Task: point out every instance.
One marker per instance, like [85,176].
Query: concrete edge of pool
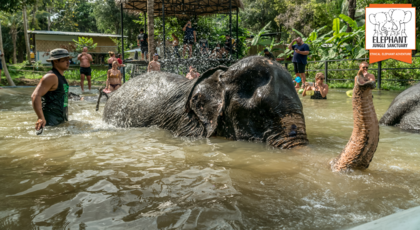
[408,220]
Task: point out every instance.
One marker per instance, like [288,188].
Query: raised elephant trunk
[363,142]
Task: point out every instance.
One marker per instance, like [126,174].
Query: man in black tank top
[50,97]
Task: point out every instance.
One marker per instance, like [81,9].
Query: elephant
[404,110]
[364,139]
[252,100]
[379,20]
[389,28]
[399,18]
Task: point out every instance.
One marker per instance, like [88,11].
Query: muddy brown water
[88,175]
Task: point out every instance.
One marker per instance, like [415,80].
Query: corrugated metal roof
[73,33]
[184,8]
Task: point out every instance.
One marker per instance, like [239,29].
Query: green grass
[21,70]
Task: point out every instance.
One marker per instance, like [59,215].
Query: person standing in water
[85,69]
[300,56]
[142,42]
[50,97]
[320,90]
[189,38]
[111,60]
[113,81]
[154,65]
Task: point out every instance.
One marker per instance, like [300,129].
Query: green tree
[14,22]
[258,13]
[84,42]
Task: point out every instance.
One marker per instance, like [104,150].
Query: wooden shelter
[182,8]
[45,41]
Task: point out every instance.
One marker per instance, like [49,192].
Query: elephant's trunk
[363,142]
[291,134]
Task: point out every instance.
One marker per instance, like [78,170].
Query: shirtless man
[154,65]
[85,69]
[364,66]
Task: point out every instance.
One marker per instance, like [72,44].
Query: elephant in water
[253,100]
[404,110]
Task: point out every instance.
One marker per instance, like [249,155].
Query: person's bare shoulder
[49,76]
[48,80]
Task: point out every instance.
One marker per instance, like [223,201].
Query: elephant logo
[391,23]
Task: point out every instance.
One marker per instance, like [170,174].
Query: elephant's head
[254,100]
[388,27]
[379,19]
[399,17]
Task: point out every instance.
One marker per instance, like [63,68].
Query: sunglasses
[365,67]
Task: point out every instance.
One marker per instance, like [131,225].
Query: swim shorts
[86,71]
[299,67]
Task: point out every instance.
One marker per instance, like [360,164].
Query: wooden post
[122,42]
[230,24]
[164,34]
[326,71]
[151,28]
[145,25]
[237,32]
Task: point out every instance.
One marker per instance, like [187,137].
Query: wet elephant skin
[364,139]
[404,110]
[253,100]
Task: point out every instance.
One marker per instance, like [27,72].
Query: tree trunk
[34,14]
[14,38]
[151,28]
[352,12]
[3,62]
[25,27]
[49,19]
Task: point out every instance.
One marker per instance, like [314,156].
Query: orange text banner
[380,55]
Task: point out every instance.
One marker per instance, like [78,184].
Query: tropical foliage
[84,42]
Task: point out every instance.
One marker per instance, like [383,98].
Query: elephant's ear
[206,98]
[372,19]
[203,77]
[407,17]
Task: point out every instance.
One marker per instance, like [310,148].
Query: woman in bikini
[111,60]
[113,81]
[319,89]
